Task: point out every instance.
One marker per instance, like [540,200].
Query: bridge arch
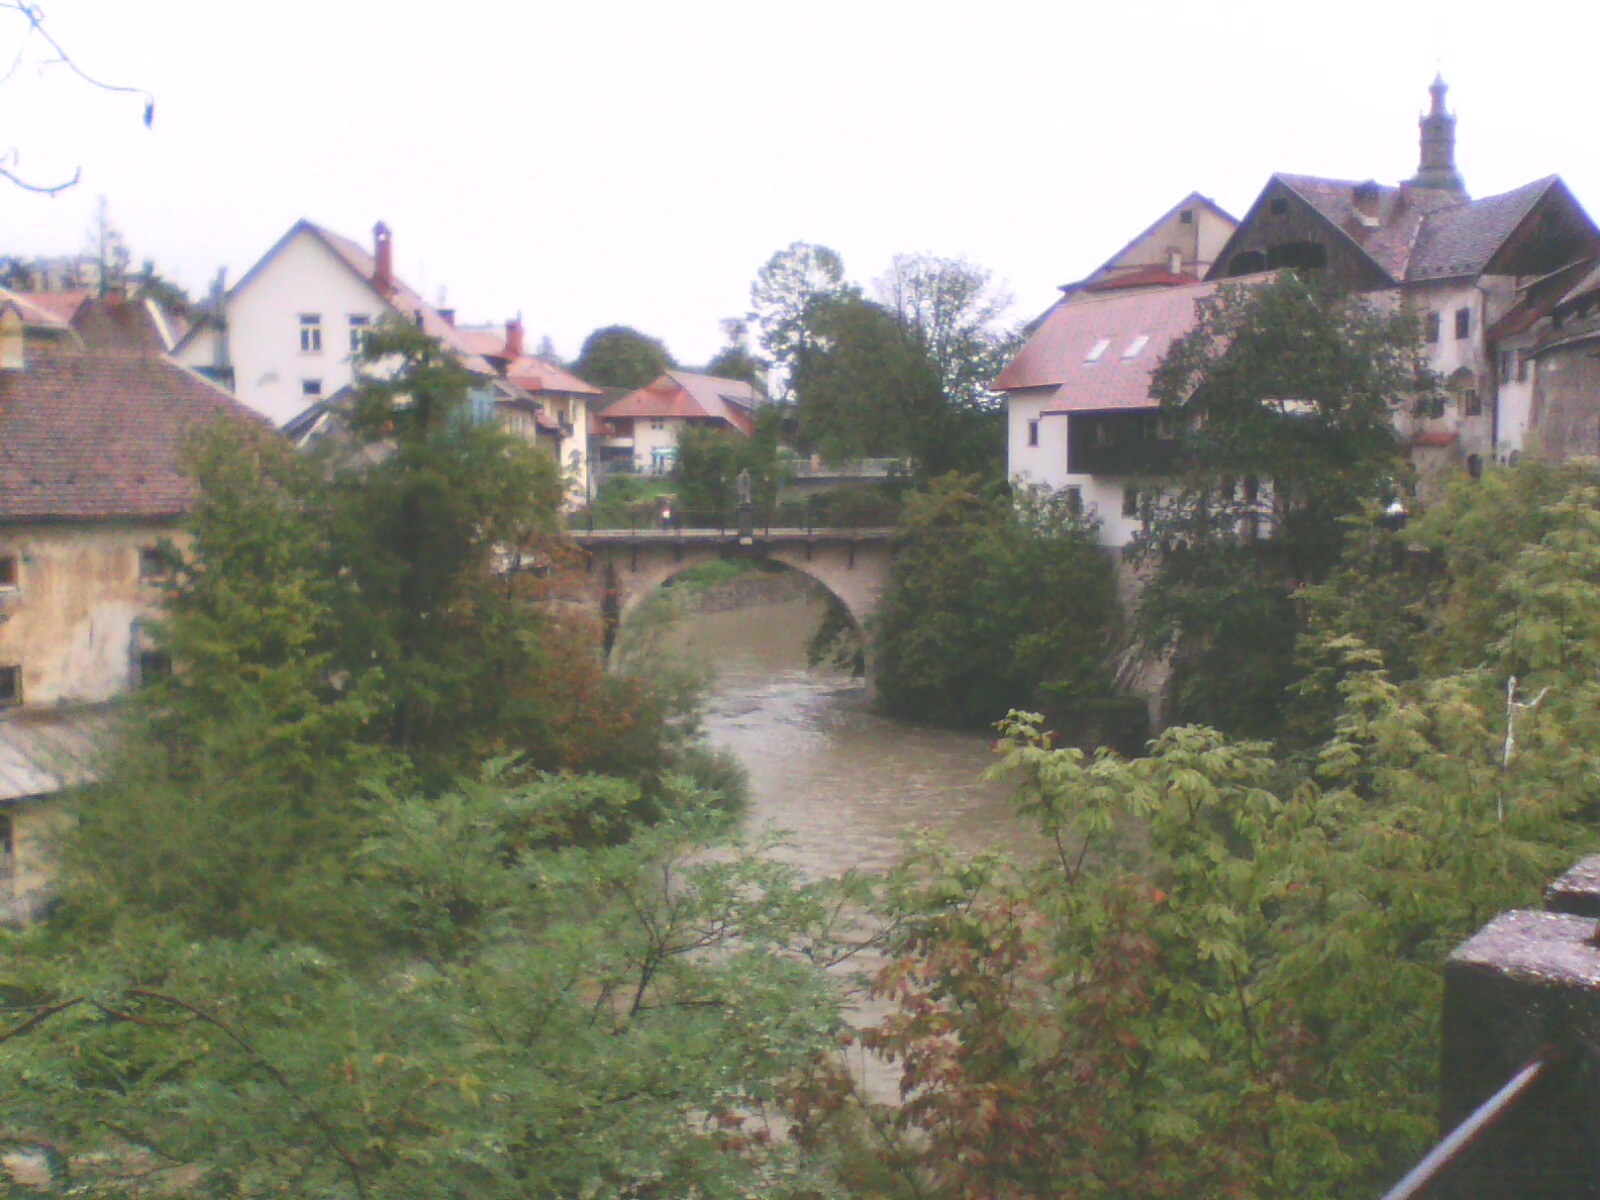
[624,566]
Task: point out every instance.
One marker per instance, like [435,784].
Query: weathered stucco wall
[71,622]
[1566,404]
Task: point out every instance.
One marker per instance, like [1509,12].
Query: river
[845,783]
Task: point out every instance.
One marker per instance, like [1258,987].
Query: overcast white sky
[590,162]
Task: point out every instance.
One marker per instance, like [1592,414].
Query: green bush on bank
[993,597]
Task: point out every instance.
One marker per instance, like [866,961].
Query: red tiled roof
[89,435]
[62,305]
[1192,200]
[688,396]
[1143,277]
[404,301]
[109,323]
[1057,353]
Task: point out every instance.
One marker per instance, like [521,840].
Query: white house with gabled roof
[293,324]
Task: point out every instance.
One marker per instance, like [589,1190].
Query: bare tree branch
[44,189]
[33,14]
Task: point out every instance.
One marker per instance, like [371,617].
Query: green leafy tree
[786,289]
[1285,396]
[710,459]
[907,375]
[736,360]
[871,389]
[621,356]
[957,314]
[253,754]
[1224,975]
[290,956]
[525,1020]
[991,599]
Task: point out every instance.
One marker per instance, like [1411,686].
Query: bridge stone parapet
[625,565]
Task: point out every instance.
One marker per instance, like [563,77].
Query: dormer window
[311,333]
[1096,350]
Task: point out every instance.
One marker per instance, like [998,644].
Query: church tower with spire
[1438,166]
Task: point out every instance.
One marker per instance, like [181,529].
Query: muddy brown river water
[846,783]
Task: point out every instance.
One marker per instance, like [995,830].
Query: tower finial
[1438,166]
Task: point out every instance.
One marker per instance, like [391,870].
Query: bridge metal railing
[1419,1180]
[788,517]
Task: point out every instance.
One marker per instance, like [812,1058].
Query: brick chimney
[382,258]
[1364,197]
[514,338]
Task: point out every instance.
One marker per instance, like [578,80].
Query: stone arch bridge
[625,565]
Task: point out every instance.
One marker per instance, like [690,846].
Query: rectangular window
[1279,206]
[1033,433]
[1522,366]
[154,565]
[1074,500]
[311,333]
[1505,365]
[359,323]
[153,665]
[1130,501]
[311,387]
[10,573]
[10,686]
[1186,217]
[1430,327]
[1463,323]
[658,422]
[1471,405]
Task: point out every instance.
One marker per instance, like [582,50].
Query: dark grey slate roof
[1401,214]
[1461,239]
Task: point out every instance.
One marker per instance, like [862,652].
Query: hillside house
[1487,279]
[291,327]
[644,424]
[1179,247]
[91,483]
[1079,412]
[549,405]
[1459,264]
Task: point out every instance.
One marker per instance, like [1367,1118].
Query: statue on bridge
[747,520]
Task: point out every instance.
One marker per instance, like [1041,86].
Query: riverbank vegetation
[1256,510]
[996,598]
[1227,980]
[389,889]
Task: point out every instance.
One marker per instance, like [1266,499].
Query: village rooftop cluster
[98,391]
